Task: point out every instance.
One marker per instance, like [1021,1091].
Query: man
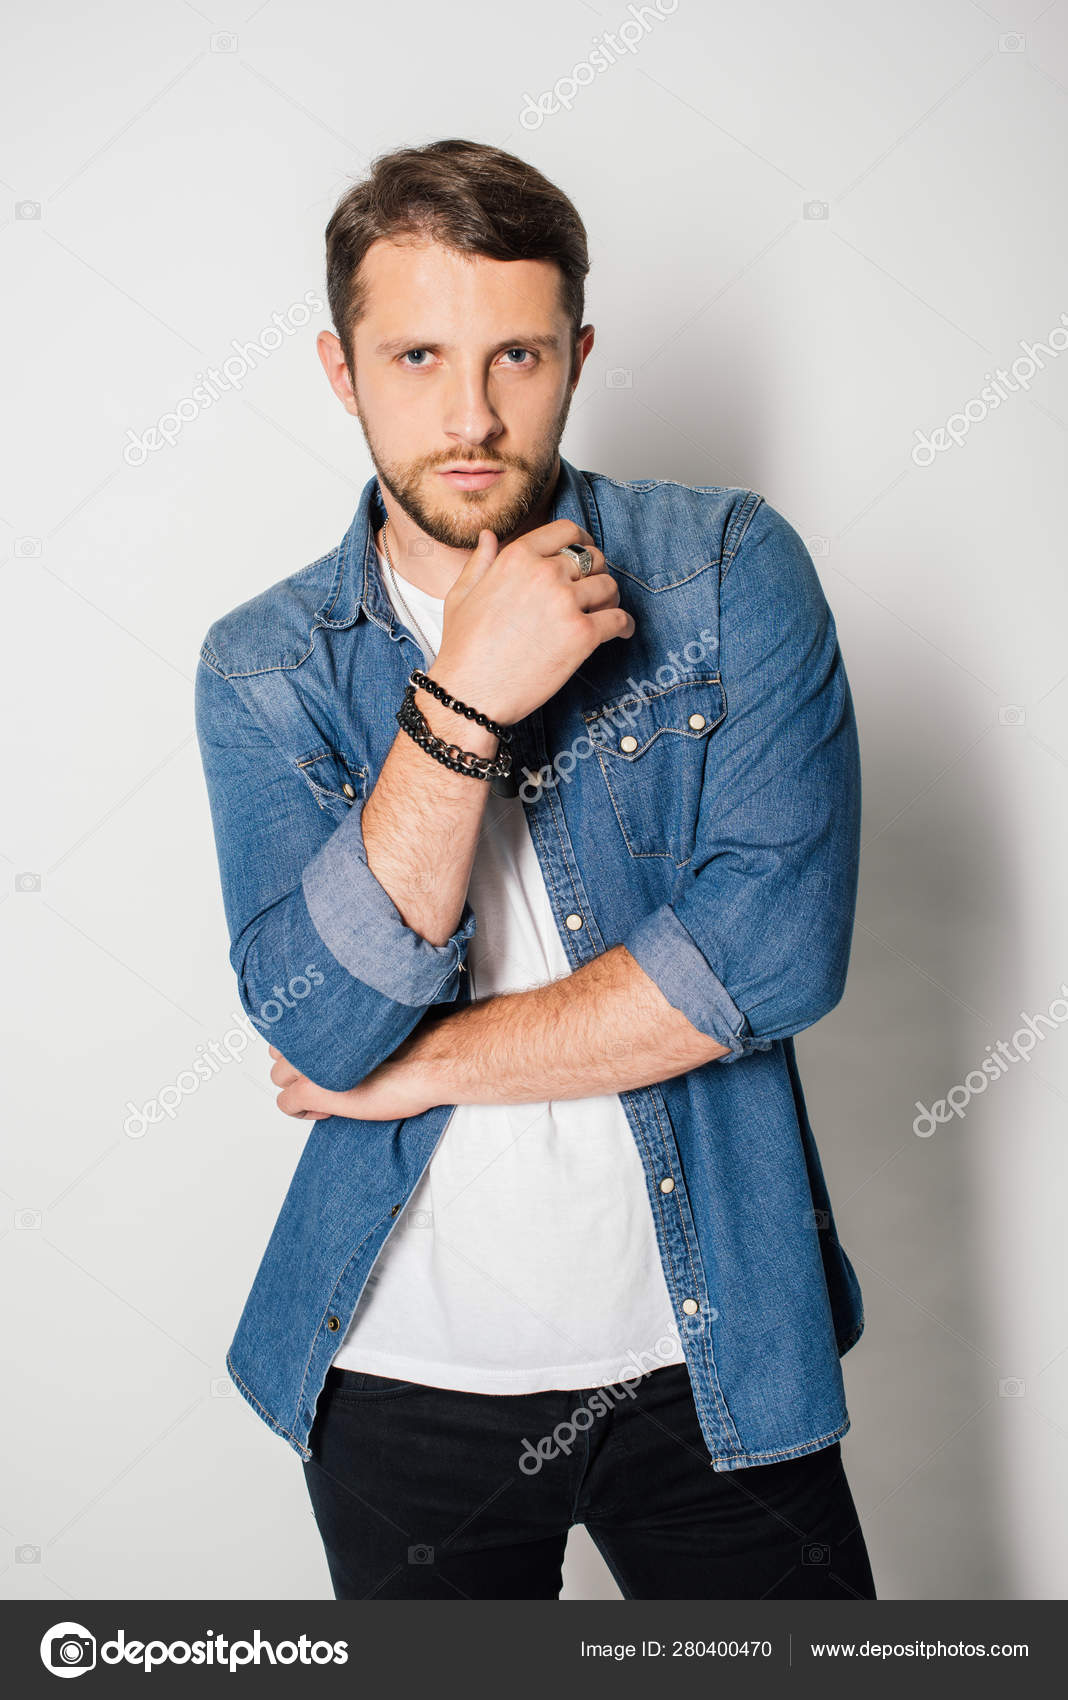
[558,1248]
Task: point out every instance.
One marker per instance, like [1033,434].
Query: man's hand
[519,621]
[390,1092]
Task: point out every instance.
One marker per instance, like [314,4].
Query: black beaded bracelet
[475,766]
[426,683]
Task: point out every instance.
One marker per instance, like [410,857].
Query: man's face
[464,372]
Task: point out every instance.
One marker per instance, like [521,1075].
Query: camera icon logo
[420,1555]
[419,1219]
[420,546]
[619,378]
[27,881]
[815,1552]
[1010,1387]
[68,1649]
[1012,714]
[27,548]
[1011,43]
[816,209]
[224,42]
[817,545]
[27,209]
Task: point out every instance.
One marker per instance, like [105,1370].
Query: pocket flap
[690,708]
[336,782]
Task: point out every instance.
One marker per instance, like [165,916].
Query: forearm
[417,805]
[605,1028]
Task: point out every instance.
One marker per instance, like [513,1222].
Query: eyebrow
[401,345]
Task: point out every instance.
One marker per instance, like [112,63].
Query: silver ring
[581,554]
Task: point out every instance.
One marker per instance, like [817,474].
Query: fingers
[597,590]
[291,1103]
[299,1097]
[482,556]
[612,623]
[550,539]
[283,1073]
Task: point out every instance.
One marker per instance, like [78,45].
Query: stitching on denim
[791,1451]
[320,615]
[851,1339]
[280,666]
[655,697]
[590,509]
[602,754]
[280,1428]
[535,825]
[324,613]
[659,483]
[373,1229]
[658,589]
[751,504]
[320,791]
[710,1363]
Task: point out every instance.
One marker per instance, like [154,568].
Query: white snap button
[574,922]
[689,1306]
[628,743]
[697,721]
[668,1185]
[349,790]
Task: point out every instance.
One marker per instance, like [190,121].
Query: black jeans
[427,1493]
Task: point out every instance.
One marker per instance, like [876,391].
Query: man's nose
[470,416]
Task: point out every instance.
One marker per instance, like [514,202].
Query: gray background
[179,163]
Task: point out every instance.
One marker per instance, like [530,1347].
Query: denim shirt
[692,793]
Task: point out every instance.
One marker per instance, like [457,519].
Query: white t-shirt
[526,1258]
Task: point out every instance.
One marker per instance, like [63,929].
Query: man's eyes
[415,359]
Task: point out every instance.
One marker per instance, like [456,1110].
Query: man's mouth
[471,475]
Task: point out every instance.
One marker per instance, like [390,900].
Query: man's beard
[403,480]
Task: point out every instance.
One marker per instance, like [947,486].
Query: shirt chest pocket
[652,749]
[335,780]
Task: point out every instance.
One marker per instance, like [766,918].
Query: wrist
[450,723]
[411,1073]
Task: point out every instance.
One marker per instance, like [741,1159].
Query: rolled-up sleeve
[326,967]
[671,956]
[756,945]
[361,926]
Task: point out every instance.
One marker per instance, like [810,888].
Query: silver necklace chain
[428,651]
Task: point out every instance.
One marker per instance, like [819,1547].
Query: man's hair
[471,198]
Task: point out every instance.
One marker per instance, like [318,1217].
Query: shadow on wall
[924,998]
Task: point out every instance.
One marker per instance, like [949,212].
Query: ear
[332,356]
[583,344]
